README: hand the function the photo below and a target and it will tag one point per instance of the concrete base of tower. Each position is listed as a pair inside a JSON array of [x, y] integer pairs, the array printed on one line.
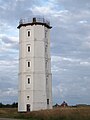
[[35, 107]]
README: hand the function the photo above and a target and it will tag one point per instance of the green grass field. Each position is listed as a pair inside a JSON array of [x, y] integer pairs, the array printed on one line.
[[68, 113]]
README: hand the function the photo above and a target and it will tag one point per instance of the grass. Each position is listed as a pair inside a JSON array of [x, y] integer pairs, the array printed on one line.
[[68, 113]]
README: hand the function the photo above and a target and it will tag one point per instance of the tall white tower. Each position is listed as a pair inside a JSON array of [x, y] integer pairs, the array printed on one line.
[[35, 79]]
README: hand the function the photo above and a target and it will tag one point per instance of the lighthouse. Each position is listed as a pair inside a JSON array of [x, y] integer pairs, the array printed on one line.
[[35, 78]]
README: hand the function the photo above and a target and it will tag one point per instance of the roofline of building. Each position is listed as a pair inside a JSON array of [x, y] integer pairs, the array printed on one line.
[[34, 23]]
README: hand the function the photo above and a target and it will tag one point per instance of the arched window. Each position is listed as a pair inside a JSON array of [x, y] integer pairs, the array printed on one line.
[[28, 33]]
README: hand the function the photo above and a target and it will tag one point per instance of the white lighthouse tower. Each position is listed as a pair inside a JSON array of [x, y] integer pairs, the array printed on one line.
[[35, 79]]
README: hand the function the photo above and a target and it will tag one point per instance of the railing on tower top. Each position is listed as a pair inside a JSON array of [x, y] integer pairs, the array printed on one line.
[[35, 19]]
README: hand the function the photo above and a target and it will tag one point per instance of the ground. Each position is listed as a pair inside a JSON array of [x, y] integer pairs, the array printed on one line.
[[66, 113]]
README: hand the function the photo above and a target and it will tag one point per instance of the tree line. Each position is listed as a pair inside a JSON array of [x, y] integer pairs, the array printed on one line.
[[13, 105]]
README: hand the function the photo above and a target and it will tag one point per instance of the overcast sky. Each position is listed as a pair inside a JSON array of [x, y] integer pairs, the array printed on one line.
[[70, 47]]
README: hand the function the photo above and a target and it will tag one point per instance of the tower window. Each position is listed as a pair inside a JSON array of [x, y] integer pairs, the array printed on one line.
[[29, 80], [47, 101], [28, 33], [29, 64], [28, 48], [27, 97]]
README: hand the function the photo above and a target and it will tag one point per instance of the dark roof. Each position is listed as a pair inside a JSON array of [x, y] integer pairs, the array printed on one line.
[[34, 23]]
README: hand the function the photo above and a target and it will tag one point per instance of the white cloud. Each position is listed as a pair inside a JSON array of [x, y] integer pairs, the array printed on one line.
[[85, 63], [38, 10], [8, 92], [20, 0], [83, 21], [58, 59], [85, 45], [8, 62], [8, 43]]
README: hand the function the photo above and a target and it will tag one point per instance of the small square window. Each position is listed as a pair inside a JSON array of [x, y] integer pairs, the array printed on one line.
[[27, 97]]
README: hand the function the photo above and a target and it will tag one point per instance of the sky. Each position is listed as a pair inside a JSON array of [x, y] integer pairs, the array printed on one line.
[[70, 47]]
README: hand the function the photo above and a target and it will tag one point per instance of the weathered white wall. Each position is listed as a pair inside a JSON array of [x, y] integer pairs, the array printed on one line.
[[38, 90]]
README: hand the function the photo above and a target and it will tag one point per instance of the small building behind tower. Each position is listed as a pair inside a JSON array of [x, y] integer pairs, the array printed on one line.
[[35, 78]]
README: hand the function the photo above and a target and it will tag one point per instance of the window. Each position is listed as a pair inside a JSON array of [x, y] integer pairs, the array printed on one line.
[[27, 97], [29, 80], [28, 48], [28, 33], [47, 101], [29, 64]]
